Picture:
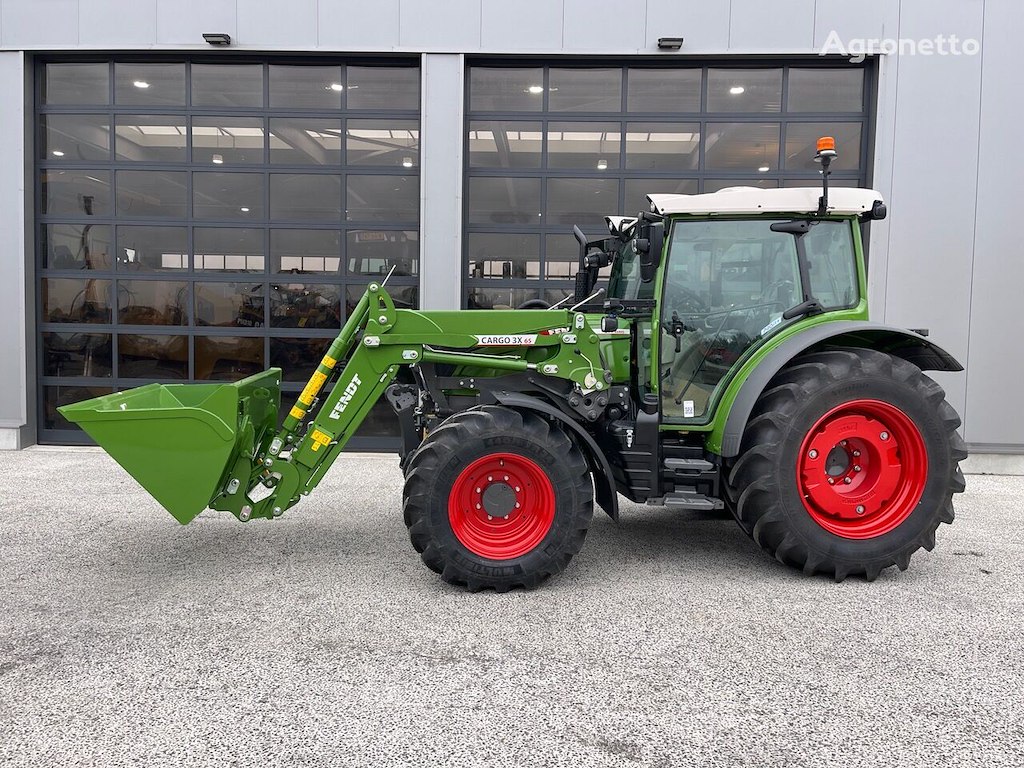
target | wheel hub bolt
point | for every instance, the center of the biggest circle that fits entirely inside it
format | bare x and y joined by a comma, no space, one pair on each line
847,480
856,454
856,467
812,453
489,517
842,443
505,517
860,509
884,435
831,481
517,489
517,505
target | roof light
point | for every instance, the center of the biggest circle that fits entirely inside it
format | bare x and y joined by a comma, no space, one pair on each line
736,90
141,84
217,38
827,144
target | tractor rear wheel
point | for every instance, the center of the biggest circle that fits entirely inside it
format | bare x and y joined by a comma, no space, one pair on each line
848,464
497,498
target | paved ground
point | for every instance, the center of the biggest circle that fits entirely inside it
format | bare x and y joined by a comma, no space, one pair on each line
319,639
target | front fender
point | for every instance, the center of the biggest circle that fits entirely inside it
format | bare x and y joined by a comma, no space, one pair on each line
607,497
899,342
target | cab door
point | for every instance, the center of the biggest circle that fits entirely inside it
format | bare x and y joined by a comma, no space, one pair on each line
726,285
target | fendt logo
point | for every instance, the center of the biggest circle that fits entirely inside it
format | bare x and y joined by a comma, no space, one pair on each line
346,397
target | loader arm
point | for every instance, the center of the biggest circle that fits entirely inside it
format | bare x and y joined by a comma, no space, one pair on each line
378,340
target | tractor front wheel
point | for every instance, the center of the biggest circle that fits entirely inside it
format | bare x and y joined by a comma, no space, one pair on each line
848,464
497,498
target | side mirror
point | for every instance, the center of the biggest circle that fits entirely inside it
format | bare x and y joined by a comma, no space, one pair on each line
649,248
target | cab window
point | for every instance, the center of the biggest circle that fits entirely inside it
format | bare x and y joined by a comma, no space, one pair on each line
624,281
727,283
831,264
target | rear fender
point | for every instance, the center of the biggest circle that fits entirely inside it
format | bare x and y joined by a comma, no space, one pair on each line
898,342
601,470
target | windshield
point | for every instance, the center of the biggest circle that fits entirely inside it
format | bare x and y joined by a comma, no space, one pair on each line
624,281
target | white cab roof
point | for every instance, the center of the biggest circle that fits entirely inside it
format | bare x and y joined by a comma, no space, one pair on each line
841,200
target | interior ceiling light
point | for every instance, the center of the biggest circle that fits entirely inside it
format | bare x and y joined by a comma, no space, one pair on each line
602,165
58,153
736,90
764,169
141,84
335,87
407,162
535,89
218,159
244,210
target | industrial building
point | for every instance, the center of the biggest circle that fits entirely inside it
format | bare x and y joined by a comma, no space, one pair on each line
196,189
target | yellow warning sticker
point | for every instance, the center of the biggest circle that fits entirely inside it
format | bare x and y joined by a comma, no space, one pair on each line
296,412
315,382
328,362
319,438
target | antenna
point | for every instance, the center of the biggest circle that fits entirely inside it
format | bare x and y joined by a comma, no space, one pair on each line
826,154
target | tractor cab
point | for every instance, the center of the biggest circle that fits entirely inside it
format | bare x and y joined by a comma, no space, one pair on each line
719,274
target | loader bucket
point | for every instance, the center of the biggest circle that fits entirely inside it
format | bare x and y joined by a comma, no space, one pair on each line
179,440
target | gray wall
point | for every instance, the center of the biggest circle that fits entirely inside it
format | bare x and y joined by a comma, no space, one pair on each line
946,259
17,289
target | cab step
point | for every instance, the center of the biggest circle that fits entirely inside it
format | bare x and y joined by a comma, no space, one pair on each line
695,466
691,500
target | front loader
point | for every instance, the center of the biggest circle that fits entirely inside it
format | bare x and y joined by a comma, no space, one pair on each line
728,364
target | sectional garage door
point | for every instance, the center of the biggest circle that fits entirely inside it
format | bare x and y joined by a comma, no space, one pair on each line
200,220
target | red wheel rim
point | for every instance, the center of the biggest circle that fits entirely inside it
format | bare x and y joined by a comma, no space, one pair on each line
862,469
501,506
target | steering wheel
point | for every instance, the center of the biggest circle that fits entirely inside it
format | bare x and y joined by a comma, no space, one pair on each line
688,302
780,292
534,304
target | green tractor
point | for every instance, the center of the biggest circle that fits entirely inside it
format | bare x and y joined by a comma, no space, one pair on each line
729,364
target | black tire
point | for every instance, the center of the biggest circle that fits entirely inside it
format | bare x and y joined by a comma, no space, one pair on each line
437,470
770,501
